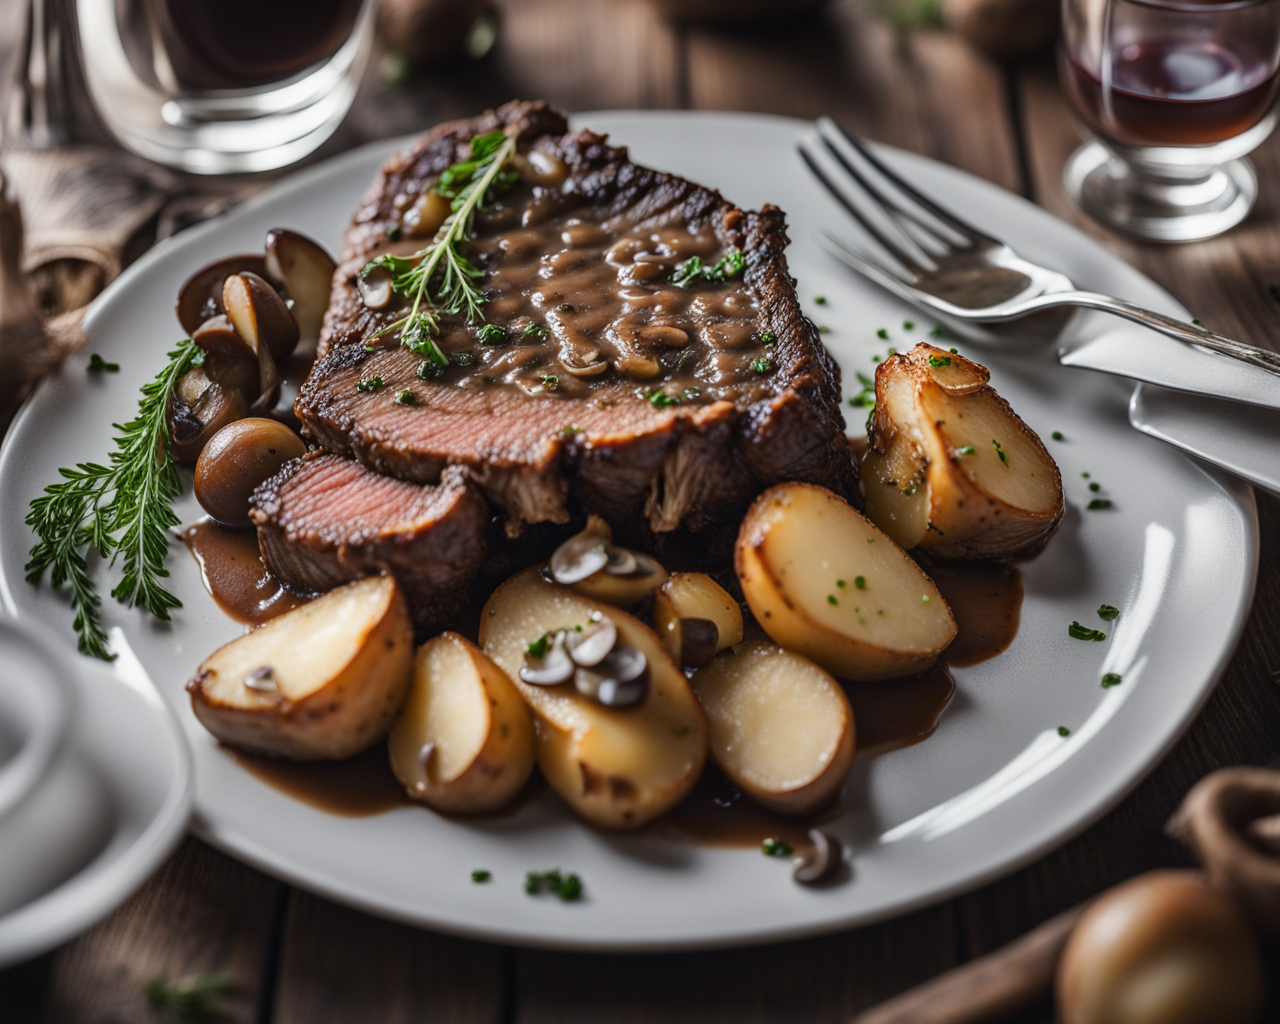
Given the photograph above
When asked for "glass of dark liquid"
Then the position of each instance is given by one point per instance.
(222, 86)
(1177, 93)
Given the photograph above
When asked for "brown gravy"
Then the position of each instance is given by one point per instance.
(359, 787)
(233, 573)
(576, 309)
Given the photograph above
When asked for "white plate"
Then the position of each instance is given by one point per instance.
(130, 756)
(994, 788)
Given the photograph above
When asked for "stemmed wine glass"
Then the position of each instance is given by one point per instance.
(1177, 93)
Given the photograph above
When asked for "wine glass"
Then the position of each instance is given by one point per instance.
(1177, 93)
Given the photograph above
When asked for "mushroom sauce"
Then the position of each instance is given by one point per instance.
(575, 310)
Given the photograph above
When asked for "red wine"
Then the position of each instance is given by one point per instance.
(1171, 92)
(238, 44)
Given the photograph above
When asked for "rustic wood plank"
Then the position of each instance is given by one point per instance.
(816, 981)
(1225, 281)
(341, 965)
(933, 95)
(202, 913)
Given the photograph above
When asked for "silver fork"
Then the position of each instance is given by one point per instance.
(945, 265)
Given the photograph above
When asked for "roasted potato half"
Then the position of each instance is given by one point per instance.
(464, 742)
(825, 582)
(325, 680)
(696, 618)
(950, 468)
(616, 767)
(781, 727)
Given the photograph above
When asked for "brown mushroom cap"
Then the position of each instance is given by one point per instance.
(304, 268)
(200, 297)
(1214, 821)
(259, 315)
(198, 409)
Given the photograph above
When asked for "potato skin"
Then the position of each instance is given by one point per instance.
(505, 761)
(789, 626)
(348, 714)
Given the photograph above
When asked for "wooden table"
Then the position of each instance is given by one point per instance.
(299, 959)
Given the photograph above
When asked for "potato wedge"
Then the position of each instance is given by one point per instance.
(825, 582)
(712, 617)
(781, 728)
(950, 467)
(325, 680)
(616, 767)
(464, 742)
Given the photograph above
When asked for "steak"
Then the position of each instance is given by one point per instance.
(649, 445)
(325, 520)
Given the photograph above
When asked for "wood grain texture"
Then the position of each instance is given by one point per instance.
(202, 913)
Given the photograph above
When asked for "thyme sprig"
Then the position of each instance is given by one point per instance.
(190, 998)
(438, 278)
(122, 510)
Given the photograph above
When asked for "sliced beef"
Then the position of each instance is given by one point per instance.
(325, 520)
(543, 458)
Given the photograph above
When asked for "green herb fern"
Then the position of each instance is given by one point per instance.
(123, 511)
(439, 279)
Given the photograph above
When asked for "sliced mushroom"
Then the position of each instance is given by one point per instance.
(262, 680)
(593, 644)
(582, 555)
(259, 315)
(305, 270)
(822, 863)
(623, 563)
(200, 297)
(228, 360)
(553, 668)
(620, 680)
(198, 409)
(374, 286)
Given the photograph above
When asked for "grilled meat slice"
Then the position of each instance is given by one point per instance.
(324, 520)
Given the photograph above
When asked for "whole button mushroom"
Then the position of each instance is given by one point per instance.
(1162, 948)
(236, 460)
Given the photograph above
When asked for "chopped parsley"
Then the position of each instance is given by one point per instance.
(1000, 451)
(572, 430)
(406, 397)
(882, 334)
(1063, 731)
(936, 361)
(550, 381)
(427, 370)
(768, 337)
(1110, 679)
(1108, 612)
(463, 358)
(1196, 320)
(690, 272)
(659, 399)
(966, 450)
(908, 325)
(1057, 435)
(567, 886)
(1095, 487)
(1098, 503)
(99, 365)
(831, 599)
(821, 300)
(776, 848)
(841, 583)
(370, 384)
(866, 399)
(760, 365)
(480, 876)
(492, 334)
(684, 358)
(953, 351)
(1079, 632)
(860, 582)
(1084, 476)
(393, 233)
(538, 648)
(533, 329)
(823, 329)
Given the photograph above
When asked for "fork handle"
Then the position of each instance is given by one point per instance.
(1192, 334)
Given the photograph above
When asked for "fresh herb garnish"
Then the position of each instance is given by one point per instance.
(688, 273)
(1079, 632)
(406, 397)
(481, 875)
(937, 332)
(823, 329)
(768, 337)
(1110, 679)
(684, 358)
(572, 430)
(1063, 731)
(841, 583)
(190, 998)
(776, 848)
(492, 334)
(393, 233)
(533, 329)
(438, 278)
(966, 450)
(821, 300)
(1098, 503)
(567, 887)
(1000, 451)
(908, 325)
(860, 582)
(1095, 487)
(939, 361)
(463, 358)
(133, 525)
(883, 334)
(549, 381)
(760, 365)
(99, 365)
(1108, 612)
(538, 648)
(1057, 435)
(370, 384)
(1085, 475)
(831, 599)
(866, 399)
(659, 399)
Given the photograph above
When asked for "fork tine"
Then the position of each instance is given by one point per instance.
(869, 268)
(893, 247)
(961, 227)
